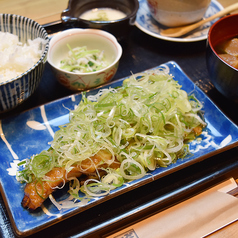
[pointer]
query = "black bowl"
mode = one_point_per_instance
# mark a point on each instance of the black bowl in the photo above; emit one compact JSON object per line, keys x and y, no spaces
{"x":223,"y":76}
{"x":119,"y":28}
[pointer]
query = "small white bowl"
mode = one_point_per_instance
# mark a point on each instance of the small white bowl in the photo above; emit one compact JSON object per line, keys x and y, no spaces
{"x":173,"y":13}
{"x":93,"y":39}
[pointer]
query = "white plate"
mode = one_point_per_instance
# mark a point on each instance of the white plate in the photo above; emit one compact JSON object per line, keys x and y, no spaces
{"x":146,"y":23}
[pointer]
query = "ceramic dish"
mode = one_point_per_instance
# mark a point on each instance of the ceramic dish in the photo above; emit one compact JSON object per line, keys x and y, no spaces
{"x":223,"y":75}
{"x":92,"y":39}
{"x":17,"y":90}
{"x":29,"y":133}
{"x":147,"y":24}
{"x":119,"y":28}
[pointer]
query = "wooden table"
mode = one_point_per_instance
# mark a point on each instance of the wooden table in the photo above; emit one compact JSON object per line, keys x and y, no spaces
{"x":45,"y":11}
{"x":42,"y":11}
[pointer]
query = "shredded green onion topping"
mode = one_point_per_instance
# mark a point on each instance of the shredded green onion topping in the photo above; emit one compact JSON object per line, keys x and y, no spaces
{"x":144,"y":124}
{"x":82,"y":60}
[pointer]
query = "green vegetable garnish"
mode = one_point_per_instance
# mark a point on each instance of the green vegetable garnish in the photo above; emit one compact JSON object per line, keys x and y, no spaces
{"x":80,"y":59}
{"x":143,"y":124}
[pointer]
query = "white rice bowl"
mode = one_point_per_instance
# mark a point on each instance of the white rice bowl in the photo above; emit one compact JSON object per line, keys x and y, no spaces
{"x":16,"y":57}
{"x":22,"y":59}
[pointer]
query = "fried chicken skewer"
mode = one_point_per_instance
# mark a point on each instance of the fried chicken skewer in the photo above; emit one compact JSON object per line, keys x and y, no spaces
{"x":37,"y":192}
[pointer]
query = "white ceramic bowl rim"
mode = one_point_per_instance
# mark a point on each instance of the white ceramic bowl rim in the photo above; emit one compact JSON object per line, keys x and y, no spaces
{"x":42,"y":56}
{"x":79,"y":31}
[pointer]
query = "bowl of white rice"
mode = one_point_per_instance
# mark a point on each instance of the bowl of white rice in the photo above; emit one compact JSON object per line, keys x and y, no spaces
{"x":23,"y":52}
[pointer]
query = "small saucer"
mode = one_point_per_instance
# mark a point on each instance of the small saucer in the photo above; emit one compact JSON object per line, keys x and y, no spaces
{"x":146,"y":23}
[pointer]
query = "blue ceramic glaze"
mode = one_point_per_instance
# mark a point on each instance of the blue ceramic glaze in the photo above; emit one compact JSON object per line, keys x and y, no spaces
{"x":29,"y":133}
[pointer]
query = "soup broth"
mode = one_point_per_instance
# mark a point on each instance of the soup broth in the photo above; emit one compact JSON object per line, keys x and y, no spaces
{"x":228,"y":51}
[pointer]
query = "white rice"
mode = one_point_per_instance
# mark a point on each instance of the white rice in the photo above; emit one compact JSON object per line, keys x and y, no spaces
{"x":15,"y":57}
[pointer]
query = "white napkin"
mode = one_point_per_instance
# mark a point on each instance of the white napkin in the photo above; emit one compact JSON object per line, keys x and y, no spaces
{"x":195,"y":217}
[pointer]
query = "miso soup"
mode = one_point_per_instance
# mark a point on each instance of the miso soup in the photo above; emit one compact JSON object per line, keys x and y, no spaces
{"x":228,"y":51}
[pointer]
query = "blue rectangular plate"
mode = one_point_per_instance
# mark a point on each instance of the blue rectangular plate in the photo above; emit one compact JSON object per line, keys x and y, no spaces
{"x":29,"y":133}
